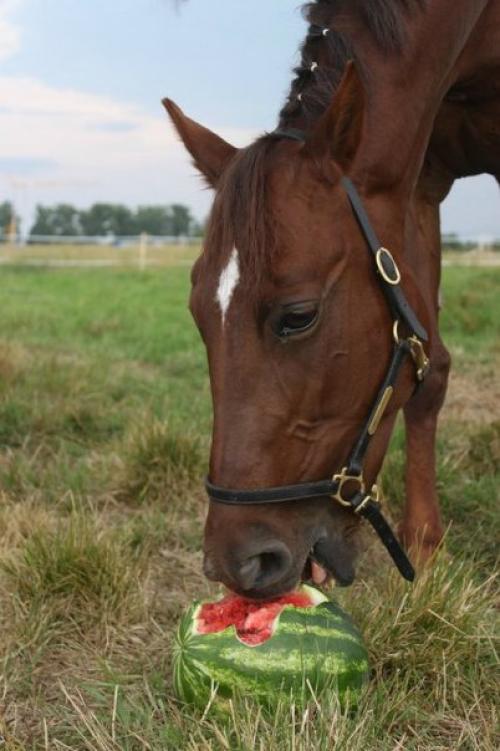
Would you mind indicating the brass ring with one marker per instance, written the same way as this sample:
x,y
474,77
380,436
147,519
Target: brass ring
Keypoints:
x,y
341,479
381,252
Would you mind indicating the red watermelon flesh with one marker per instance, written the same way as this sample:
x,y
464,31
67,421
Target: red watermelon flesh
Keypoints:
x,y
253,621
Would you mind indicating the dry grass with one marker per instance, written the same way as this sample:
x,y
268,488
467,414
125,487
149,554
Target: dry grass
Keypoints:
x,y
433,688
103,433
160,255
157,460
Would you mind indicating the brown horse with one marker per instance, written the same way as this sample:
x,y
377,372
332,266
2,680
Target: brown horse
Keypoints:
x,y
285,296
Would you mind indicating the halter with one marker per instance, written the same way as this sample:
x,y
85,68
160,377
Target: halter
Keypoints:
x,y
347,487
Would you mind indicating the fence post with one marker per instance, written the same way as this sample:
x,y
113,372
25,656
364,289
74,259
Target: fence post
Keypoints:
x,y
143,250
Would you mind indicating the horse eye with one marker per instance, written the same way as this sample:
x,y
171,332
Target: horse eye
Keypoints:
x,y
295,319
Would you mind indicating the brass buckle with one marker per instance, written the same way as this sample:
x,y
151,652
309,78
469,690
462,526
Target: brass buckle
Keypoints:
x,y
417,351
384,253
342,479
420,359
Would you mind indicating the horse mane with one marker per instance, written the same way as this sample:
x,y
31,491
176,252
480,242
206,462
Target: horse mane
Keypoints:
x,y
240,209
312,90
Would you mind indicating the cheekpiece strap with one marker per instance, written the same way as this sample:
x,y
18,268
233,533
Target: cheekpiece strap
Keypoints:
x,y
390,276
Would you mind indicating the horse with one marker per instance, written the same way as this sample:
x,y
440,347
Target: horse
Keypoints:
x,y
316,293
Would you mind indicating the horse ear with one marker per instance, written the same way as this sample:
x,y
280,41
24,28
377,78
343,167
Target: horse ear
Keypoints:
x,y
338,132
210,152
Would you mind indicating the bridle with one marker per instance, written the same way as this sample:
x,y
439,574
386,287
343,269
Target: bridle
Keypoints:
x,y
347,487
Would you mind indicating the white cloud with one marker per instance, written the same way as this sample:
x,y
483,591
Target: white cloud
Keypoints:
x,y
10,33
88,147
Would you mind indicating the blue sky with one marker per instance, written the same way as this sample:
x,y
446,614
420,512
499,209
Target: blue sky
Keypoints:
x,y
80,89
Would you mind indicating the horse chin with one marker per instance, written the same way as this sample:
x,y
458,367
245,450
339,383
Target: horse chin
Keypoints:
x,y
329,560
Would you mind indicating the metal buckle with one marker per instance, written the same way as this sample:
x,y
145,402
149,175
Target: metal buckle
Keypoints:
x,y
384,253
417,351
420,359
342,479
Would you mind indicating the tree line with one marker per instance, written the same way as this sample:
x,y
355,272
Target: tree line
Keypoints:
x,y
114,219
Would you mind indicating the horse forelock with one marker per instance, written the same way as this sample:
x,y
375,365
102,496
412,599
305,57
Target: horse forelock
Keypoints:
x,y
242,213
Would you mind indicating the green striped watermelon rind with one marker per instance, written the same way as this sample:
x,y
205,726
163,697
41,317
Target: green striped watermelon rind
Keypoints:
x,y
333,662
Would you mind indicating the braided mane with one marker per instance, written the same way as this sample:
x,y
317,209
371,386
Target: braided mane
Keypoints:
x,y
326,50
241,211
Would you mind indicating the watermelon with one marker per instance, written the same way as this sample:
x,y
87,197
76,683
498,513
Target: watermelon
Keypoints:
x,y
287,648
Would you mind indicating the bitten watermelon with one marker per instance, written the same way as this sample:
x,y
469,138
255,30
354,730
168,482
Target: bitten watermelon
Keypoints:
x,y
279,649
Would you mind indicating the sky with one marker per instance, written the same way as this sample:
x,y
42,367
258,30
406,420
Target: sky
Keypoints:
x,y
80,89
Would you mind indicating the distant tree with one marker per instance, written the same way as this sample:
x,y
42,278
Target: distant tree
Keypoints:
x,y
181,220
197,228
155,220
174,220
108,219
8,218
62,220
103,219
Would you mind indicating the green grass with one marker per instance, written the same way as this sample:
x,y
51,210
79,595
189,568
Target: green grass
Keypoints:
x,y
104,431
471,311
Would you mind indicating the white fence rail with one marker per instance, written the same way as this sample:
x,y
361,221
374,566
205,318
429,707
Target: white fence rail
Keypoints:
x,y
145,251
116,241
459,240
139,251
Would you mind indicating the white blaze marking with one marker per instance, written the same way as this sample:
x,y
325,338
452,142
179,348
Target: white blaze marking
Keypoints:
x,y
228,282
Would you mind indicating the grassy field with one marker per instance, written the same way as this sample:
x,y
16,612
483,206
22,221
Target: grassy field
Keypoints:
x,y
102,254
104,425
154,255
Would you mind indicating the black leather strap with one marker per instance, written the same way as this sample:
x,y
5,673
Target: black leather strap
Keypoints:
x,y
372,513
282,493
401,351
370,510
393,292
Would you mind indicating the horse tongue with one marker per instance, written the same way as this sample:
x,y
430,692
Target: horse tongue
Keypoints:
x,y
318,573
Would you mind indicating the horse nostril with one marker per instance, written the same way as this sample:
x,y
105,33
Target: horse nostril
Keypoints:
x,y
266,567
249,572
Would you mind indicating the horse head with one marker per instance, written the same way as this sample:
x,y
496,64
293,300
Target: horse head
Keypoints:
x,y
299,338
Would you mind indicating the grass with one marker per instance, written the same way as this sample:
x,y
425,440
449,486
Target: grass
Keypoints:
x,y
104,429
125,256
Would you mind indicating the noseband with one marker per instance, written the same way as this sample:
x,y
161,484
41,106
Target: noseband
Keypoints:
x,y
347,487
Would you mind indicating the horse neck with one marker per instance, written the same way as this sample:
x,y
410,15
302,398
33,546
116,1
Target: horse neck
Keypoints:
x,y
405,92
